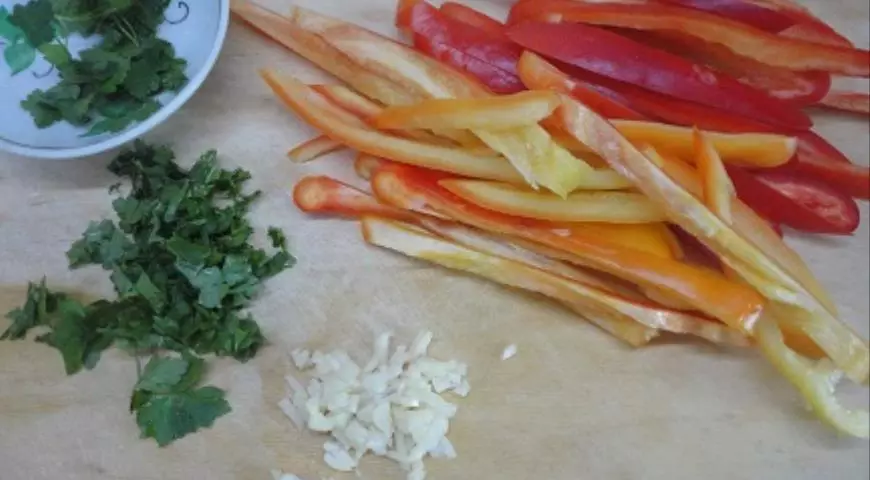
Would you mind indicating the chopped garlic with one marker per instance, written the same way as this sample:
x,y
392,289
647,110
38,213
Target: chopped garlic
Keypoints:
x,y
509,352
391,407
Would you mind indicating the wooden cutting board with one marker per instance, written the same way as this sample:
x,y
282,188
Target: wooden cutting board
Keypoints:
x,y
573,404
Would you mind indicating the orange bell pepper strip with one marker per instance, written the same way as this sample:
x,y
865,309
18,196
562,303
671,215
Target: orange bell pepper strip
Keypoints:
x,y
365,165
816,32
470,16
367,110
540,74
718,189
317,51
530,149
622,297
845,348
313,149
493,113
490,265
603,207
325,195
751,227
742,39
759,150
320,113
854,102
736,305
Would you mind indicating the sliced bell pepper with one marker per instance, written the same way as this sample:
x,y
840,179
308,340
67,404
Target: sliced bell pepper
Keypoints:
x,y
796,201
313,149
838,340
367,110
603,207
490,59
325,195
747,223
816,381
537,73
742,39
492,113
320,113
818,159
855,102
470,16
797,88
365,165
614,56
527,253
315,50
718,189
517,274
759,16
709,292
618,296
530,150
746,149
816,32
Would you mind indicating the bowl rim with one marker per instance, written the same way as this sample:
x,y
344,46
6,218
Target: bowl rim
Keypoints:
x,y
144,127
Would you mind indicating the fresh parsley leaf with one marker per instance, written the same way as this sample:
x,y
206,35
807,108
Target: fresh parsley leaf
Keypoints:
x,y
167,405
34,19
19,56
167,418
8,31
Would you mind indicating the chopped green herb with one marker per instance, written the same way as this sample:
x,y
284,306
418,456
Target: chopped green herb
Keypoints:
x,y
183,268
167,405
109,86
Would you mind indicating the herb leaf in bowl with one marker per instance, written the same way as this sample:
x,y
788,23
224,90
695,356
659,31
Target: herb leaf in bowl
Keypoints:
x,y
111,85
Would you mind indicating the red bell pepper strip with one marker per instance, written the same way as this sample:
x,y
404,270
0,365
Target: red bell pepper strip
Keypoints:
x,y
742,39
796,201
749,13
491,60
797,88
818,159
854,102
539,74
470,16
614,56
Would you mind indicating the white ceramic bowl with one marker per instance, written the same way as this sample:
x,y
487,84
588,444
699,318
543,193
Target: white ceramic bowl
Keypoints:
x,y
196,28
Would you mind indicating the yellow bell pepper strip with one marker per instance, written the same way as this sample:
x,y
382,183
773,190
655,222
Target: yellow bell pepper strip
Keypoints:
x,y
321,114
756,150
718,189
483,262
734,304
318,52
325,195
492,113
751,227
816,381
530,149
603,207
313,149
848,351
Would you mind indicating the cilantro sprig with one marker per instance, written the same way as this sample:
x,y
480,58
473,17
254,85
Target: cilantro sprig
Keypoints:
x,y
183,269
109,86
